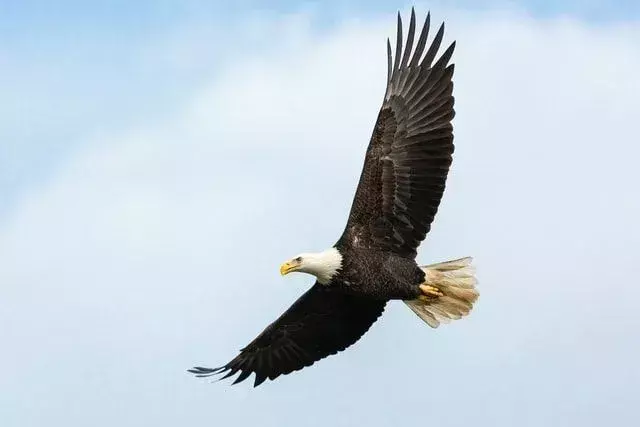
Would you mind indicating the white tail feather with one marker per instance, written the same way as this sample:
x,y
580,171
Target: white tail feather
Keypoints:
x,y
456,281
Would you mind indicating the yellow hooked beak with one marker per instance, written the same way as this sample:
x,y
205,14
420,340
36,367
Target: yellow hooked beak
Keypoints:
x,y
288,267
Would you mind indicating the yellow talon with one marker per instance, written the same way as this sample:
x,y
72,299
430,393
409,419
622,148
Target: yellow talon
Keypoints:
x,y
431,291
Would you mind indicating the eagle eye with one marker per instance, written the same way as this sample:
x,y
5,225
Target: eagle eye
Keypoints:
x,y
298,259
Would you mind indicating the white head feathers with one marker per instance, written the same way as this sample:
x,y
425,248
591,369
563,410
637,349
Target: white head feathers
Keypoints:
x,y
324,265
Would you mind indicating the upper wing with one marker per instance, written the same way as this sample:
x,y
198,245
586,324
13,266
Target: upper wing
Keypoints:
x,y
409,154
320,323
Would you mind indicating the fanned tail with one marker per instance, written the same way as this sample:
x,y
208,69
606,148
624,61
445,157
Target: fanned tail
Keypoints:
x,y
451,292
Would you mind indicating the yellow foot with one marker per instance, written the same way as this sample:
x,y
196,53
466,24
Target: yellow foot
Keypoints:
x,y
430,291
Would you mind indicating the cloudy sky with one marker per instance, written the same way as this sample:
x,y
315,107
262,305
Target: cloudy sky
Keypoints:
x,y
159,161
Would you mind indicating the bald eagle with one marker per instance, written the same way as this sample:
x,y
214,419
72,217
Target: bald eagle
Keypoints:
x,y
373,262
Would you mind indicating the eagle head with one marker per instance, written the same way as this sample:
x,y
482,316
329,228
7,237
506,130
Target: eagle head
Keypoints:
x,y
324,265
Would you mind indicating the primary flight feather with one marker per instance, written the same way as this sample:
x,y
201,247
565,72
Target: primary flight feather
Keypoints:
x,y
401,185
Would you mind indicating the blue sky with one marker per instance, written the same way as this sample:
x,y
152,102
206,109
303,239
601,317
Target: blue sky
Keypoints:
x,y
147,156
89,57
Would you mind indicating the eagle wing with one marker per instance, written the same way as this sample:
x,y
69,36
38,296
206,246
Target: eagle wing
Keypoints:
x,y
409,155
320,323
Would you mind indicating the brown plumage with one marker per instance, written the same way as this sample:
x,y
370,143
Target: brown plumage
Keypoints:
x,y
320,323
398,195
408,158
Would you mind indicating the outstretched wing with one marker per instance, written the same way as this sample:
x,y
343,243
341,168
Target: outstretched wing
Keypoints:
x,y
409,155
320,323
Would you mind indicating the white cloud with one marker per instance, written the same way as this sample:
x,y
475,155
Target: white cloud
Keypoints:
x,y
159,248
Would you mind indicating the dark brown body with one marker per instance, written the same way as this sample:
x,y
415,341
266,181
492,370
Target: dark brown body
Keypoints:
x,y
378,274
